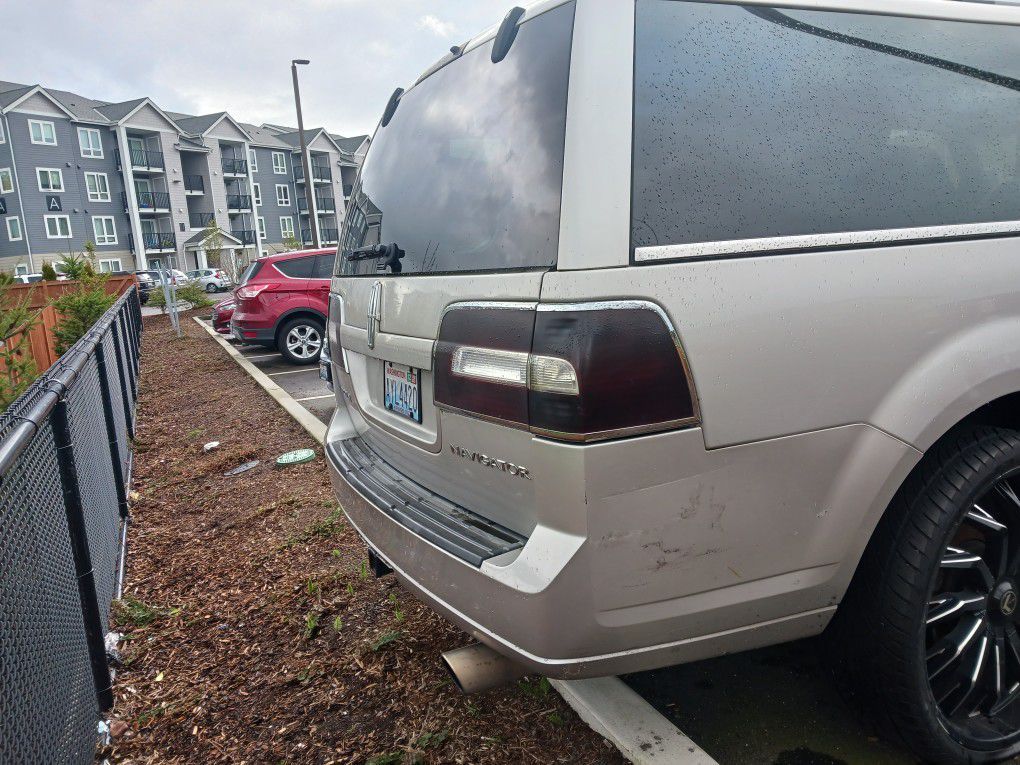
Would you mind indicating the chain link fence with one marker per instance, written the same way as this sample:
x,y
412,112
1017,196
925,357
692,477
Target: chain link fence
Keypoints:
x,y
65,465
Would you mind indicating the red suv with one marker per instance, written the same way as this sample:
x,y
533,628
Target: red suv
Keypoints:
x,y
282,303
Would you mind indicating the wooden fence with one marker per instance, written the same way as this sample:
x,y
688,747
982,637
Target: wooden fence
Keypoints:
x,y
41,344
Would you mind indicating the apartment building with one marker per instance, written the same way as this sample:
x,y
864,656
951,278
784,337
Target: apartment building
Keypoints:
x,y
143,183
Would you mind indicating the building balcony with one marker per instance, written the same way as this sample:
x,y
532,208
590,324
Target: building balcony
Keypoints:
x,y
238,203
322,204
320,173
155,242
329,235
200,219
194,185
348,189
149,202
235,167
144,161
245,235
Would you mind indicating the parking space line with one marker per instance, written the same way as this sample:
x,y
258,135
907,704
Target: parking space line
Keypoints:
x,y
314,398
294,371
259,356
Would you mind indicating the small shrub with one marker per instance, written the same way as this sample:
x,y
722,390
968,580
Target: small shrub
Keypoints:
x,y
81,307
49,273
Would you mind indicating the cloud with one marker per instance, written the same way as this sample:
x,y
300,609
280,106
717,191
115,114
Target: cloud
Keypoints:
x,y
436,26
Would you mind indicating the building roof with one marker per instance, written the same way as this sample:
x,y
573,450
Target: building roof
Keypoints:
x,y
117,112
351,144
198,125
261,136
11,92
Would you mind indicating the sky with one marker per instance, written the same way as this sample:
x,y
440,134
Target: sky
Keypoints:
x,y
228,55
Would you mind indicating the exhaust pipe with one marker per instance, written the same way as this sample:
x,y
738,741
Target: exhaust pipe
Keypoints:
x,y
477,667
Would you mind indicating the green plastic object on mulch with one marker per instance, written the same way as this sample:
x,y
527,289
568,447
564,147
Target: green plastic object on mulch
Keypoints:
x,y
298,457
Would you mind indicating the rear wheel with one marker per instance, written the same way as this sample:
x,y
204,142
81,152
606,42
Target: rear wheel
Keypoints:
x,y
300,340
929,629
211,288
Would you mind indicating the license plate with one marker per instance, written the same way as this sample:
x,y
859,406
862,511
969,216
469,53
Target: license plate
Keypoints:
x,y
402,390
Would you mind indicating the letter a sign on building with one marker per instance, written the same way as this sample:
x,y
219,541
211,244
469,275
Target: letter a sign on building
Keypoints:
x,y
53,204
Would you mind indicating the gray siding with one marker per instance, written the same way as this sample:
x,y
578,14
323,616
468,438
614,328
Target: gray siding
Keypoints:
x,y
11,253
267,181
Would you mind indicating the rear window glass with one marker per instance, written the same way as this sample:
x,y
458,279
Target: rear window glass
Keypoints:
x,y
757,122
251,271
324,266
467,174
298,268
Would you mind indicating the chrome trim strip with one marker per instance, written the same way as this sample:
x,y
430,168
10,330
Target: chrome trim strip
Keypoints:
x,y
769,244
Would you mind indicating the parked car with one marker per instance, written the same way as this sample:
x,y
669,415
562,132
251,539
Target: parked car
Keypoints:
x,y
178,278
719,351
211,279
221,314
146,283
27,278
282,301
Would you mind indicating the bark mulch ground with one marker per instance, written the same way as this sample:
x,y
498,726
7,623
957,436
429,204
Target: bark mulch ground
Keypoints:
x,y
253,629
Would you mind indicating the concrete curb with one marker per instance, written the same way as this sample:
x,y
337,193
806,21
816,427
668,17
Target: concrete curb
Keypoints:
x,y
315,427
606,704
617,713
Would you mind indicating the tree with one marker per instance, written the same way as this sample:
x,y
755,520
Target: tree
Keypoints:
x,y
81,307
291,243
16,320
49,273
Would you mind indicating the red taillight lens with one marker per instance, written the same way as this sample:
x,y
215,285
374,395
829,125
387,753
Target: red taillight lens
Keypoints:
x,y
250,291
583,372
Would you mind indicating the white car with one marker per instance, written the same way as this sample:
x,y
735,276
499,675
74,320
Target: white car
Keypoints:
x,y
212,279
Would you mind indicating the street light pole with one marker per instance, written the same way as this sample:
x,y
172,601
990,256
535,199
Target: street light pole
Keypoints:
x,y
306,162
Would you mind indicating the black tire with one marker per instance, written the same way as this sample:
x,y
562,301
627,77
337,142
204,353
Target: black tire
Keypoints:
x,y
926,640
305,353
211,288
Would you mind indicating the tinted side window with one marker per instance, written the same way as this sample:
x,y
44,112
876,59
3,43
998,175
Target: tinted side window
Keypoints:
x,y
760,122
298,268
324,266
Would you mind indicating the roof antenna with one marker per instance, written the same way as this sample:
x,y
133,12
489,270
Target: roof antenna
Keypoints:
x,y
391,106
506,34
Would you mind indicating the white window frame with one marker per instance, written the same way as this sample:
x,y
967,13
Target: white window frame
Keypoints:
x,y
108,262
57,219
105,239
283,201
10,236
99,195
49,170
283,229
260,224
6,188
279,167
21,269
253,161
88,151
3,135
256,191
42,132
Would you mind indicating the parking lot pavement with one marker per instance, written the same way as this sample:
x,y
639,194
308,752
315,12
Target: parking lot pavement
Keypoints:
x,y
301,382
773,706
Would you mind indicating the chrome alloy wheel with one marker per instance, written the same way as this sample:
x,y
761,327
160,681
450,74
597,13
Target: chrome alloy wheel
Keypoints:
x,y
304,341
972,645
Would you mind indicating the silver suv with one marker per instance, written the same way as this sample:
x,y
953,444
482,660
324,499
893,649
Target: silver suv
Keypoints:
x,y
667,329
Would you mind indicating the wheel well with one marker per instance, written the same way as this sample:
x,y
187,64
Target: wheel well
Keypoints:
x,y
299,313
1003,412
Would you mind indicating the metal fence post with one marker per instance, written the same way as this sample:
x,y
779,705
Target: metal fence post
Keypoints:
x,y
111,429
82,558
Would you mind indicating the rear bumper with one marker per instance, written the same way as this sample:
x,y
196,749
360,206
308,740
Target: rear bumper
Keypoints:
x,y
649,584
251,331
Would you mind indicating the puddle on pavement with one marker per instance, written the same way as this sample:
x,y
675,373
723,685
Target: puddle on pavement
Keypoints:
x,y
773,706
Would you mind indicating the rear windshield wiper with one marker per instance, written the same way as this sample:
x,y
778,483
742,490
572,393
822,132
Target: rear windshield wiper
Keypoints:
x,y
390,253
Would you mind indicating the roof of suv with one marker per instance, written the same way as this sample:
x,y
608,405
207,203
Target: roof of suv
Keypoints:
x,y
295,254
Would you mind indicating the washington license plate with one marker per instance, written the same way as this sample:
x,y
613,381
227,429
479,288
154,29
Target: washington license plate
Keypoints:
x,y
402,390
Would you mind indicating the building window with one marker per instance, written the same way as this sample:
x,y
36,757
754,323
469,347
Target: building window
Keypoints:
x,y
91,143
279,163
283,195
253,161
104,229
3,136
287,227
14,228
257,194
21,269
57,226
6,181
50,179
110,264
42,132
98,187
262,226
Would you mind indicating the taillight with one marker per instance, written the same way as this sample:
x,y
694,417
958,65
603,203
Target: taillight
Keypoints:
x,y
576,372
249,291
